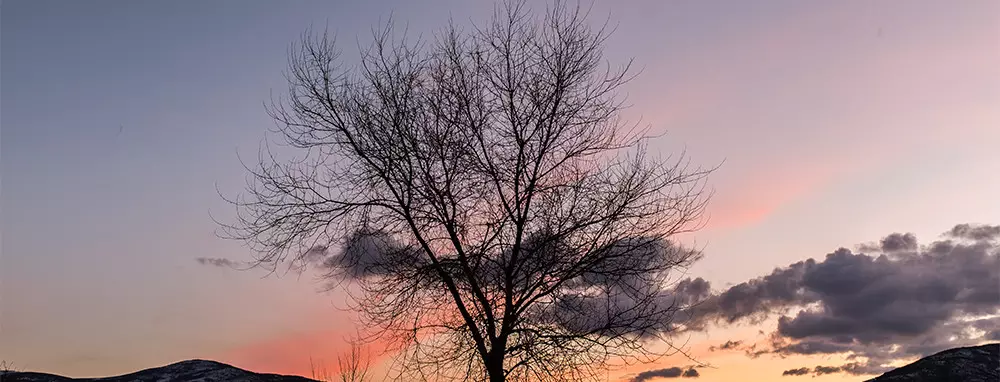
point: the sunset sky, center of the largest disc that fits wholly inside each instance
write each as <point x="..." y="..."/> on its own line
<point x="839" y="123"/>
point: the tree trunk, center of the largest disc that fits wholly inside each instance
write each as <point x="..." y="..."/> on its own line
<point x="494" y="367"/>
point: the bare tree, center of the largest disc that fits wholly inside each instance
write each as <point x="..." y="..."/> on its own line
<point x="355" y="364"/>
<point x="494" y="216"/>
<point x="352" y="366"/>
<point x="7" y="367"/>
<point x="319" y="371"/>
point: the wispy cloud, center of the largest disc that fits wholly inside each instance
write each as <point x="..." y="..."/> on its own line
<point x="853" y="368"/>
<point x="728" y="345"/>
<point x="793" y="372"/>
<point x="217" y="262"/>
<point x="670" y="372"/>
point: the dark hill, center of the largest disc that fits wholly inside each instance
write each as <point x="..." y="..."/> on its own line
<point x="187" y="371"/>
<point x="968" y="364"/>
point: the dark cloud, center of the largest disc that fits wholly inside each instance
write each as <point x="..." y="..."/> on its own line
<point x="820" y="370"/>
<point x="628" y="291"/>
<point x="757" y="299"/>
<point x="670" y="372"/>
<point x="896" y="242"/>
<point x="975" y="232"/>
<point x="794" y="372"/>
<point x="806" y="347"/>
<point x="854" y="368"/>
<point x="689" y="292"/>
<point x="901" y="302"/>
<point x="366" y="254"/>
<point x="217" y="262"/>
<point x="316" y="254"/>
<point x="728" y="345"/>
<point x="752" y="351"/>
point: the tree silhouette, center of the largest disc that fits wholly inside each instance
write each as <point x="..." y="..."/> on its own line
<point x="352" y="366"/>
<point x="493" y="215"/>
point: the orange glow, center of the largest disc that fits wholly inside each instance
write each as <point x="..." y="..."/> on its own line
<point x="734" y="365"/>
<point x="298" y="354"/>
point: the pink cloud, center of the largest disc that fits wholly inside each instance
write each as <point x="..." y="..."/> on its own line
<point x="749" y="196"/>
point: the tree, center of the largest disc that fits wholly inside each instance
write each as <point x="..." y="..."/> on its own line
<point x="351" y="367"/>
<point x="493" y="215"/>
<point x="355" y="364"/>
<point x="7" y="367"/>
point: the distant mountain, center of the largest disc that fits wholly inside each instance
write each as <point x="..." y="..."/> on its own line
<point x="186" y="371"/>
<point x="968" y="364"/>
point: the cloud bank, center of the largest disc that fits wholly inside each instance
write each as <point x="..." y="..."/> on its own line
<point x="894" y="300"/>
<point x="886" y="301"/>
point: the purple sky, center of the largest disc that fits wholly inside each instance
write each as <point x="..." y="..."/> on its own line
<point x="840" y="121"/>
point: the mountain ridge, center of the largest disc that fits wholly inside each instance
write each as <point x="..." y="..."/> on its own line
<point x="194" y="370"/>
<point x="966" y="364"/>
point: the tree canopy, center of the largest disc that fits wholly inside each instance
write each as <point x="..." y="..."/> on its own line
<point x="493" y="214"/>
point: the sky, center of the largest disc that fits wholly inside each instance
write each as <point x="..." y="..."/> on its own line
<point x="837" y="123"/>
